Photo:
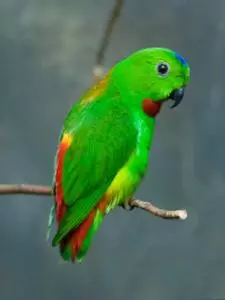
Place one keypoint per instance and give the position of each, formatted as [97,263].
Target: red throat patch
[151,108]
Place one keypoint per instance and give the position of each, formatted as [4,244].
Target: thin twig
[114,15]
[113,18]
[159,212]
[41,190]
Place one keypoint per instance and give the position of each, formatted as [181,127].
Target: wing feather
[103,138]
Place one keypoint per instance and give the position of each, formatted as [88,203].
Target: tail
[77,242]
[51,219]
[76,224]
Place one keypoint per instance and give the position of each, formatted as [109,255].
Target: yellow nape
[96,90]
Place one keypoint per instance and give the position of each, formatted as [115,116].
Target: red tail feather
[76,237]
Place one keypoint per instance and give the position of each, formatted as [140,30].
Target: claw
[126,205]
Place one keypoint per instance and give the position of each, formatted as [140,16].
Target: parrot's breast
[131,174]
[127,180]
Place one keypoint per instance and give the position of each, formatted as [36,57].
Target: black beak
[177,96]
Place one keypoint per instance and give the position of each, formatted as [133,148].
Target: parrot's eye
[163,69]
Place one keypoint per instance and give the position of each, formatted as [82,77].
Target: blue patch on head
[181,59]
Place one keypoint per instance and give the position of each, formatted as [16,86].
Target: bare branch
[25,189]
[113,18]
[41,190]
[114,15]
[158,212]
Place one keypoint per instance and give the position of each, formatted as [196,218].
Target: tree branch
[25,189]
[113,18]
[41,190]
[158,212]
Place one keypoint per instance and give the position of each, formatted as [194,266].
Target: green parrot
[104,146]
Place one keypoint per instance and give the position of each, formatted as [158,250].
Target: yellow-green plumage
[104,147]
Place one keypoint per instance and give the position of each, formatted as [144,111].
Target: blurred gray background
[47,50]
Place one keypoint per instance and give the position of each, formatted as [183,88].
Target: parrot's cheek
[151,108]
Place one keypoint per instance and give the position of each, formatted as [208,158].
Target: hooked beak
[177,96]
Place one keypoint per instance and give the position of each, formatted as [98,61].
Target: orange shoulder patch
[96,90]
[66,140]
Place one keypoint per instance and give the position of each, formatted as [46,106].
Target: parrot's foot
[127,204]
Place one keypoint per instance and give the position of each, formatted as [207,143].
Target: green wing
[104,137]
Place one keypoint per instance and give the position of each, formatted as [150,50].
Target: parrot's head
[156,74]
